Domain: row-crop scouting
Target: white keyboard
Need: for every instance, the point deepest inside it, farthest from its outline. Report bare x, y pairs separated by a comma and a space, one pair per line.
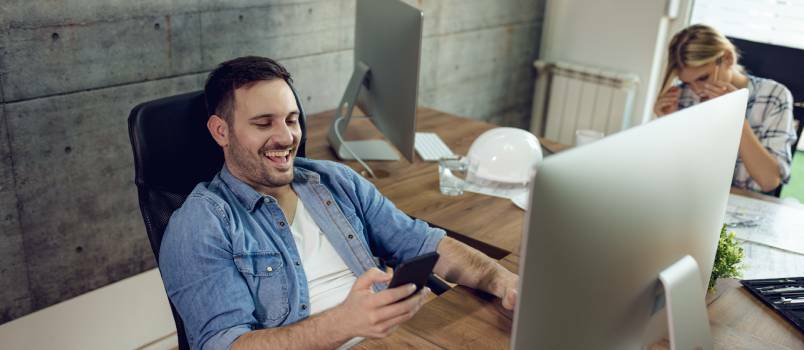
430, 147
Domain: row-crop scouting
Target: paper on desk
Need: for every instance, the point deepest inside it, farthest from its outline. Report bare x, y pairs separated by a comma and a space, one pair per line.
771, 224
521, 200
761, 261
516, 193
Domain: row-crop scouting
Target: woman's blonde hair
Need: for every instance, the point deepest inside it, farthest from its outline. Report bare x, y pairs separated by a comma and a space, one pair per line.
696, 46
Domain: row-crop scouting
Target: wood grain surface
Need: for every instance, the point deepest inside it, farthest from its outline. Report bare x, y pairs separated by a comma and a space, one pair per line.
465, 319
413, 186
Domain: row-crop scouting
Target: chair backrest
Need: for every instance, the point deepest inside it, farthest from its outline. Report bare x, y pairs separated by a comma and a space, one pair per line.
173, 151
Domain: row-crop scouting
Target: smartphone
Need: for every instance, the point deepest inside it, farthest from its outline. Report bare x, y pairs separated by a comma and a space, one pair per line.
415, 270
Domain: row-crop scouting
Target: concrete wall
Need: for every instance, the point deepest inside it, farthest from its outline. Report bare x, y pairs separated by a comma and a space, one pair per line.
70, 71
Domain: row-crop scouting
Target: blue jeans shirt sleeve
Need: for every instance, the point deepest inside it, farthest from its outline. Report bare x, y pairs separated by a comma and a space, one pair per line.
205, 286
393, 235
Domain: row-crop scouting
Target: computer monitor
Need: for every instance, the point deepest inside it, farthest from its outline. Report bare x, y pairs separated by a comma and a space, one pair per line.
388, 40
606, 219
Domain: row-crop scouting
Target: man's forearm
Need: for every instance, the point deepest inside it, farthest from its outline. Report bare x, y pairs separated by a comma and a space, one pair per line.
464, 265
761, 165
317, 332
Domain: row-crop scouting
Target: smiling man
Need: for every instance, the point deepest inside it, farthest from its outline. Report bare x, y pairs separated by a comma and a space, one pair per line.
281, 252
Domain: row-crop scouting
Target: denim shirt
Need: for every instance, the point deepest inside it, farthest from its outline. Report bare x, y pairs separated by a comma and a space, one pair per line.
229, 262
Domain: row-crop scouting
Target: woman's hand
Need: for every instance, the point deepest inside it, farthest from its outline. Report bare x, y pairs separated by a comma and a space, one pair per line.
668, 102
716, 87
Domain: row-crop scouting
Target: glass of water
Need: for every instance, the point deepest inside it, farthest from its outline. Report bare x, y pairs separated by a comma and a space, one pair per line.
452, 173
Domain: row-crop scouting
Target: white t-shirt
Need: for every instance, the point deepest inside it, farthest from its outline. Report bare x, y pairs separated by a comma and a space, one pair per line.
329, 280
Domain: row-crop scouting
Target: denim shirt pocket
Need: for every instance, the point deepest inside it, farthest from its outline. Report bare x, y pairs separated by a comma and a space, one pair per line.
354, 220
268, 281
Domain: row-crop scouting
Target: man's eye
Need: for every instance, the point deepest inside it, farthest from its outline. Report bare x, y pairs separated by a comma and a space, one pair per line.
293, 121
703, 78
262, 125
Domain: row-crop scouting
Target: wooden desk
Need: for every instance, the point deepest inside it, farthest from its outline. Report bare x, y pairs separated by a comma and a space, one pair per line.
462, 318
413, 187
465, 319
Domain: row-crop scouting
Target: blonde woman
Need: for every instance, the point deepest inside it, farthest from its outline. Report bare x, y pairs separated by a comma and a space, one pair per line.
706, 63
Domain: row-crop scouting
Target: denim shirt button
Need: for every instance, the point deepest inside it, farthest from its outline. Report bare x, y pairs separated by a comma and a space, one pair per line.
304, 306
282, 224
269, 269
328, 202
350, 236
298, 263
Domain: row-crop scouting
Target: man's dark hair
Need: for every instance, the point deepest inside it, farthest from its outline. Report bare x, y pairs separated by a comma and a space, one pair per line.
234, 74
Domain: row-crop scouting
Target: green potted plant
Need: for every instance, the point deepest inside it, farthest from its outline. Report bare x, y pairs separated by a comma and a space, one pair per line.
727, 259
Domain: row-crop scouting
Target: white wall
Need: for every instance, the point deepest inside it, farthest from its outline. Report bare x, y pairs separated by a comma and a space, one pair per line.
131, 314
621, 35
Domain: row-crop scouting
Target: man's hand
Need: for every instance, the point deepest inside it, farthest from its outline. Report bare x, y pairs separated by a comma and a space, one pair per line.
510, 294
466, 266
363, 314
377, 315
668, 102
504, 286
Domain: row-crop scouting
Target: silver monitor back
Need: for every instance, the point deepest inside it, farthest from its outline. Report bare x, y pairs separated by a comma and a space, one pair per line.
607, 217
388, 40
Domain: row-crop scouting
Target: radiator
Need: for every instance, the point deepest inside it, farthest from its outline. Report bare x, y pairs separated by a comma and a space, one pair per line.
569, 97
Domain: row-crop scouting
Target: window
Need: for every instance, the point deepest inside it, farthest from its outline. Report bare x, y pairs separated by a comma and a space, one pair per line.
777, 22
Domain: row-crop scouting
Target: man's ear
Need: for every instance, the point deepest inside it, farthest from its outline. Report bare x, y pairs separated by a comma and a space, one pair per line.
219, 130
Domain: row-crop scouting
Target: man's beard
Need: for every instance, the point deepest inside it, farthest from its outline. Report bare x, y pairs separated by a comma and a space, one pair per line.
253, 166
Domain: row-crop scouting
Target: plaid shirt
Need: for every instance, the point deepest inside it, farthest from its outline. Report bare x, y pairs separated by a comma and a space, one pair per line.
770, 115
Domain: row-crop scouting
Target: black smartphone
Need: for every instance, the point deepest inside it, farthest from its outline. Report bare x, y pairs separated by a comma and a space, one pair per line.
415, 270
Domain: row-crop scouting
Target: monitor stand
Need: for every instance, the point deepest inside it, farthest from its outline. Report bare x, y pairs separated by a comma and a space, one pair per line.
365, 149
686, 306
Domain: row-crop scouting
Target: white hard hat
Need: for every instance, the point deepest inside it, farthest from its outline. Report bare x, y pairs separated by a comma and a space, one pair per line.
507, 155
